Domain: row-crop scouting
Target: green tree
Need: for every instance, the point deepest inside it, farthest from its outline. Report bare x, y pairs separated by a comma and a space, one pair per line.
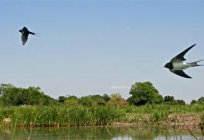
22, 96
71, 101
106, 97
87, 101
144, 93
169, 98
180, 102
4, 87
98, 99
200, 100
61, 99
116, 100
193, 102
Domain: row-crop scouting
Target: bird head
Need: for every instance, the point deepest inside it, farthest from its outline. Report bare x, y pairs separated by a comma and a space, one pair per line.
168, 65
24, 30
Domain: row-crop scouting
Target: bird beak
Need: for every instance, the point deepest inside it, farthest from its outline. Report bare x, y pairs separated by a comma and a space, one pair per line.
166, 65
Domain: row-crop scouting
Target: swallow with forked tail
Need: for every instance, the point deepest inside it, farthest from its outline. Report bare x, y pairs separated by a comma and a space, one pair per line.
178, 64
24, 34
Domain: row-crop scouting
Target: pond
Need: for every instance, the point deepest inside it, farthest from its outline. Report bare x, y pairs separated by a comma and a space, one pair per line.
96, 133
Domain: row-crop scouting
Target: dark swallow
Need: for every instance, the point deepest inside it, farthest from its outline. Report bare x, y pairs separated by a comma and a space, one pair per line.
24, 34
178, 64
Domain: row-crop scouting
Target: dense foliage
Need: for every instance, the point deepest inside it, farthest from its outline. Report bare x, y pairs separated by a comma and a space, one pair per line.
41, 116
171, 101
30, 107
144, 93
21, 96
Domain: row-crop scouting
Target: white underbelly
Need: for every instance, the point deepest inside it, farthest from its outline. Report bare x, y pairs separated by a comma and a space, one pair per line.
180, 66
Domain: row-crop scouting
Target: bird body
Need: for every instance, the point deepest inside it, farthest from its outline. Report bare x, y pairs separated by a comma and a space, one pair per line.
181, 65
24, 34
178, 64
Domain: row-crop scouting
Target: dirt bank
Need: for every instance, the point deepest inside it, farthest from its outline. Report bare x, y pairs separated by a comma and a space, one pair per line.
173, 120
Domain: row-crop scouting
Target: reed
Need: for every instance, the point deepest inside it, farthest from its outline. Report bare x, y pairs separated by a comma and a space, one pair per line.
150, 109
56, 116
44, 116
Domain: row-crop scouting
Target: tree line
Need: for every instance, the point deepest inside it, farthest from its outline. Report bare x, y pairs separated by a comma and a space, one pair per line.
141, 93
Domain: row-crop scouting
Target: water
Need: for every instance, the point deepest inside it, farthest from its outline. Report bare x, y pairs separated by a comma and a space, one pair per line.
95, 133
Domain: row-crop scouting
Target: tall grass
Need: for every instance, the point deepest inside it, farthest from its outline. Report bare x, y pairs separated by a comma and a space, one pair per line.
149, 109
150, 114
56, 116
42, 116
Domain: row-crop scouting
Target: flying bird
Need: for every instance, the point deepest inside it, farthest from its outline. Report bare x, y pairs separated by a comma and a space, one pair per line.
178, 64
24, 34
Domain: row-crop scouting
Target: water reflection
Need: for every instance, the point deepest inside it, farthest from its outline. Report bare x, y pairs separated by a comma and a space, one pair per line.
95, 133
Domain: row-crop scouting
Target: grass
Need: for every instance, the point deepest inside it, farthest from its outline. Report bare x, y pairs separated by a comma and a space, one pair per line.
149, 109
162, 114
43, 116
56, 116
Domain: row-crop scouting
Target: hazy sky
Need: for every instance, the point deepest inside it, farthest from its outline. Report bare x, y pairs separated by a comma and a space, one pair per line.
96, 47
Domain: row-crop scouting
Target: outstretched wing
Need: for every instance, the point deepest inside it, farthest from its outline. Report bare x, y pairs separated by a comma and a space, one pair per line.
180, 57
24, 38
31, 33
180, 73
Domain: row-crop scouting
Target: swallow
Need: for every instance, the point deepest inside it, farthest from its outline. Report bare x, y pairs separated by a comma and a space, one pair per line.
178, 64
24, 34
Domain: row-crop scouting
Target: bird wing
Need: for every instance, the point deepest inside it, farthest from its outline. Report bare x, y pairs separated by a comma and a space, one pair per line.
24, 38
31, 33
180, 73
180, 56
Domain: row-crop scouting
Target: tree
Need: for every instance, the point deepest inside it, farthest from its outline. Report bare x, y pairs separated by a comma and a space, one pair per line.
180, 102
71, 101
22, 96
98, 99
106, 97
193, 102
87, 101
4, 87
200, 100
169, 98
61, 99
116, 100
144, 93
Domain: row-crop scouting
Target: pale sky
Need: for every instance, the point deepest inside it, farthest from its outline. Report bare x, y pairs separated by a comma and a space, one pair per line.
96, 47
